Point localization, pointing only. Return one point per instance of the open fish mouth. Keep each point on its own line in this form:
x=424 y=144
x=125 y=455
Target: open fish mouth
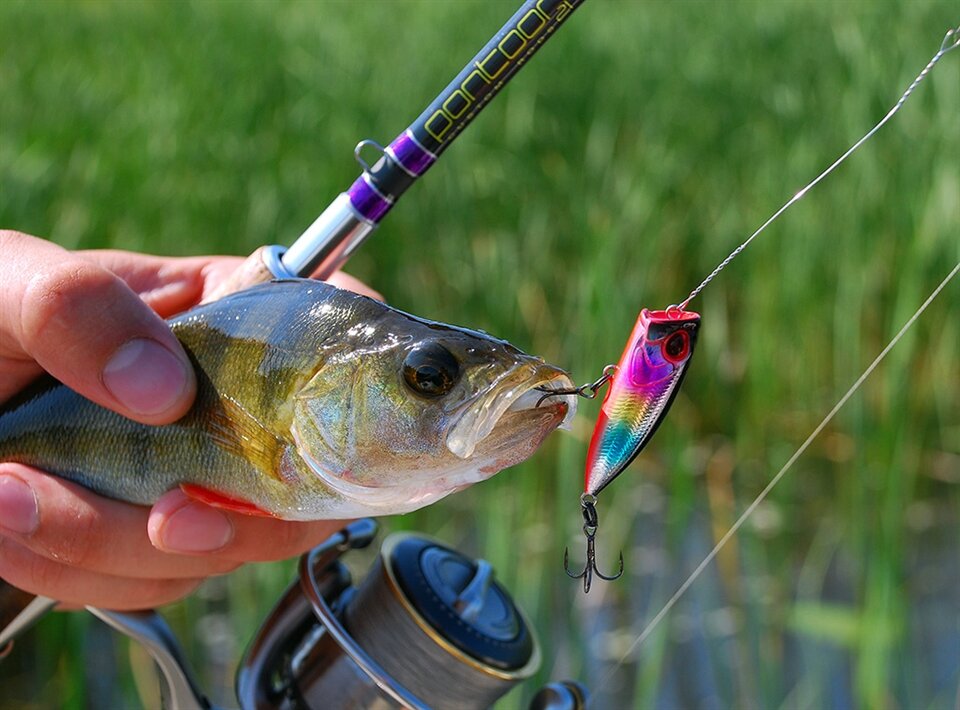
x=517 y=393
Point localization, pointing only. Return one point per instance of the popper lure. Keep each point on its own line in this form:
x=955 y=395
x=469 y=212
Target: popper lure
x=647 y=378
x=641 y=389
x=642 y=386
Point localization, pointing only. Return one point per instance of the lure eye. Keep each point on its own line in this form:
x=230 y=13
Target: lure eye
x=431 y=370
x=676 y=347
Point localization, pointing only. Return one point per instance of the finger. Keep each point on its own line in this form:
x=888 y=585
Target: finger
x=87 y=328
x=344 y=280
x=169 y=285
x=172 y=285
x=36 y=574
x=180 y=524
x=64 y=522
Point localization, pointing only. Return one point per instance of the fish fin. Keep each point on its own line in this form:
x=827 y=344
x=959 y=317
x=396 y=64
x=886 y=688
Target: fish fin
x=236 y=431
x=222 y=500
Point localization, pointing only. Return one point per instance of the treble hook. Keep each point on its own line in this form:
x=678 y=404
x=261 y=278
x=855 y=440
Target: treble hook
x=588 y=506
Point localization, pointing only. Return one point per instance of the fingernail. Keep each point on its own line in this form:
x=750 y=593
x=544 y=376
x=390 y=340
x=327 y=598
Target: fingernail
x=196 y=528
x=18 y=506
x=145 y=377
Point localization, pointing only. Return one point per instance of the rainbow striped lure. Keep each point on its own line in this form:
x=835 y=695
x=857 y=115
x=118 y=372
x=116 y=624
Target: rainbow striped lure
x=642 y=386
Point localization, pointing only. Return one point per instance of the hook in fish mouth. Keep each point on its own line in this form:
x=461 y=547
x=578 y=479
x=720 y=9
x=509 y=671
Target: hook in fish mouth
x=587 y=391
x=481 y=419
x=552 y=392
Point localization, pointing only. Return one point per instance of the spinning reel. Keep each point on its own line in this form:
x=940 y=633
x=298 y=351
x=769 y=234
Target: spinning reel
x=427 y=628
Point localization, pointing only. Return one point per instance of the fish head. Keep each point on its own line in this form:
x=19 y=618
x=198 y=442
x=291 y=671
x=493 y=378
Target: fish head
x=647 y=379
x=419 y=410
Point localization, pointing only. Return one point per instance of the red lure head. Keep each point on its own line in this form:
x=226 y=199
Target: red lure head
x=647 y=379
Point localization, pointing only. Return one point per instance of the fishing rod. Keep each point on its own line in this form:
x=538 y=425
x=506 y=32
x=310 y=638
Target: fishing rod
x=354 y=214
x=324 y=247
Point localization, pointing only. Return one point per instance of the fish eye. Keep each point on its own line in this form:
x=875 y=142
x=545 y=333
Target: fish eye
x=676 y=347
x=431 y=370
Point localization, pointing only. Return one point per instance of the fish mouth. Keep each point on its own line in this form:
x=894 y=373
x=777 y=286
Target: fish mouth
x=515 y=399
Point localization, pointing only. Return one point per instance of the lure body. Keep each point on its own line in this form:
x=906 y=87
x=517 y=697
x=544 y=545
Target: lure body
x=312 y=402
x=641 y=391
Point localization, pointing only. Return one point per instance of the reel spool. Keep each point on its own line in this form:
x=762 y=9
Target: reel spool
x=427 y=628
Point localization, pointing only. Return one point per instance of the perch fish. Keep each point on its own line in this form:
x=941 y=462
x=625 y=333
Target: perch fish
x=312 y=403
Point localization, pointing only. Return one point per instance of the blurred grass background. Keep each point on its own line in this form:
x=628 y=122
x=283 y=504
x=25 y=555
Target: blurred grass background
x=637 y=149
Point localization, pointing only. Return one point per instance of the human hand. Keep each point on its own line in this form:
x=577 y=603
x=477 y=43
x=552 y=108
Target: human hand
x=94 y=321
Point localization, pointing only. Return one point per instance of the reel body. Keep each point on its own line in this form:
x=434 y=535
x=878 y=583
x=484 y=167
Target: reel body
x=427 y=627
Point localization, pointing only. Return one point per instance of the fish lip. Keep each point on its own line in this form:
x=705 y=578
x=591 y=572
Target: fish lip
x=479 y=420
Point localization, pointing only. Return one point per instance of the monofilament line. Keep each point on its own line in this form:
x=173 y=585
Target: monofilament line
x=776 y=479
x=950 y=41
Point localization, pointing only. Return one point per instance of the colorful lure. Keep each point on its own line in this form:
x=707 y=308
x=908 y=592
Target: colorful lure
x=642 y=388
x=641 y=391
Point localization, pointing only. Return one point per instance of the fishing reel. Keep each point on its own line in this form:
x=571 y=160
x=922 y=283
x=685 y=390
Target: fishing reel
x=427 y=628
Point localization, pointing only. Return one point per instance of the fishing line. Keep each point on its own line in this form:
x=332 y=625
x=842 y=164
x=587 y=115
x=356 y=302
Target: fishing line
x=776 y=479
x=643 y=383
x=950 y=41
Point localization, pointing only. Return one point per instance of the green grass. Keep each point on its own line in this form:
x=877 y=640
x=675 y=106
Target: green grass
x=637 y=149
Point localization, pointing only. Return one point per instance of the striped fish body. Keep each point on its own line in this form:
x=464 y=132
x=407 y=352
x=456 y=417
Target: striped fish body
x=308 y=407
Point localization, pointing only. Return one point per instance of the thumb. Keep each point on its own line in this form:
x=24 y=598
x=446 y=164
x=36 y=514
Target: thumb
x=86 y=327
